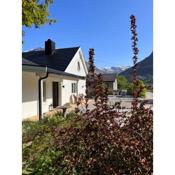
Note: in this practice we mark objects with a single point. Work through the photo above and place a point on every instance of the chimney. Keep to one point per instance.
(49, 47)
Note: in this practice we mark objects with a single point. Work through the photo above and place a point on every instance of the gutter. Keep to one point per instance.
(39, 93)
(39, 69)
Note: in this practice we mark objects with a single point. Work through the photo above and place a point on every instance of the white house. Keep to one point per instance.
(50, 78)
(111, 81)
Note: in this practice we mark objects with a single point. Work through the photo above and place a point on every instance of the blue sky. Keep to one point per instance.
(100, 24)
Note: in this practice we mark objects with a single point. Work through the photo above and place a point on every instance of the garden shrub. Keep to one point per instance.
(122, 82)
(132, 87)
(40, 154)
(103, 145)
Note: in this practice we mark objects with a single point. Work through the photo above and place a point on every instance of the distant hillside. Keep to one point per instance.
(145, 70)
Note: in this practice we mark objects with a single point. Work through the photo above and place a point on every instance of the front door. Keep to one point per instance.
(55, 90)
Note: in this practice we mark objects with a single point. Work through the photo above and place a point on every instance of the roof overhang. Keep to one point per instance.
(41, 69)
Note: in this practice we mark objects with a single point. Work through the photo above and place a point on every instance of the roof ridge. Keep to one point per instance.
(42, 49)
(68, 48)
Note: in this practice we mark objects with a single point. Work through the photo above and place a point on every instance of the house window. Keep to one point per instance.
(44, 91)
(74, 87)
(78, 66)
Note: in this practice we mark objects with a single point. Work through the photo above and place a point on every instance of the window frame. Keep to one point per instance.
(74, 87)
(78, 66)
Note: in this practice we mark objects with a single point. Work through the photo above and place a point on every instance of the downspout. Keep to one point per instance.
(39, 93)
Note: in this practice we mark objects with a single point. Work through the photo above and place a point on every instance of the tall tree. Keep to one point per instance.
(35, 12)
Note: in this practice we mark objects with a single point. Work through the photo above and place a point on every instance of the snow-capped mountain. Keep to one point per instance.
(109, 70)
(112, 69)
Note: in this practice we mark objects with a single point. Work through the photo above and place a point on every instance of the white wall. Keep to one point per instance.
(82, 87)
(73, 69)
(73, 66)
(49, 100)
(115, 87)
(29, 94)
(67, 91)
(67, 94)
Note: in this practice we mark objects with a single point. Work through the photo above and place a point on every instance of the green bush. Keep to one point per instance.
(130, 89)
(40, 154)
(122, 82)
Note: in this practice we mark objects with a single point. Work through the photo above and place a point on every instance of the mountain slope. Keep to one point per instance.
(145, 70)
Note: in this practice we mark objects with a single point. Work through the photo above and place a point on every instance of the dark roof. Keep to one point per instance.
(58, 61)
(109, 77)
